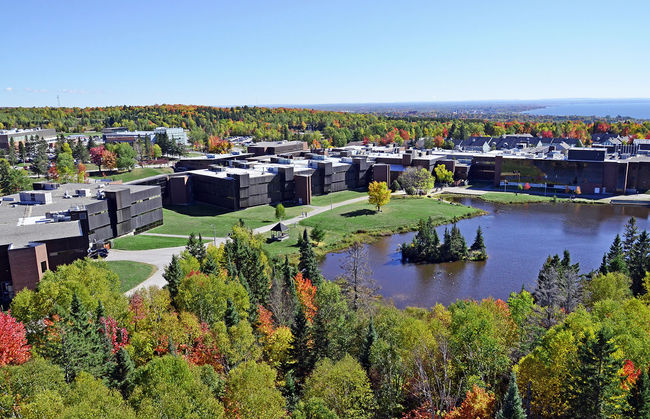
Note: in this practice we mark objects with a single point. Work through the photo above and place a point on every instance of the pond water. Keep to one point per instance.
(518, 240)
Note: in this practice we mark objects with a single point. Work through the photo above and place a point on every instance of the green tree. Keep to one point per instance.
(371, 338)
(251, 392)
(280, 212)
(173, 275)
(639, 262)
(317, 234)
(41, 161)
(638, 398)
(314, 408)
(613, 286)
(479, 245)
(512, 408)
(11, 155)
(168, 387)
(157, 152)
(395, 186)
(12, 180)
(232, 316)
(308, 264)
(126, 156)
(122, 373)
(630, 237)
(343, 386)
(301, 348)
(595, 381)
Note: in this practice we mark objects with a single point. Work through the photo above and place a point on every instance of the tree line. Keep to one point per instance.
(235, 333)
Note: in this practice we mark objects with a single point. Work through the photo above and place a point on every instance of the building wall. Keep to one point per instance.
(27, 266)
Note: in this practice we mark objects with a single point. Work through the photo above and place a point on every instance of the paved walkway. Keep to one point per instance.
(161, 257)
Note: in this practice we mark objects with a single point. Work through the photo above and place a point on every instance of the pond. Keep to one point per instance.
(518, 240)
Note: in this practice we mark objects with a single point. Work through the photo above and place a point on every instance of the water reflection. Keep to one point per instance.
(518, 239)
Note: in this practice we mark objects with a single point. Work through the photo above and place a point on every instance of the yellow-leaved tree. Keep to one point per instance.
(378, 194)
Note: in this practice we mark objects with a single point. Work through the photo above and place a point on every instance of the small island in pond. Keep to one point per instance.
(426, 246)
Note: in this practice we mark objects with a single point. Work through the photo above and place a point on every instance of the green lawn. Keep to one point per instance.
(360, 221)
(512, 198)
(131, 273)
(143, 242)
(335, 197)
(139, 173)
(205, 219)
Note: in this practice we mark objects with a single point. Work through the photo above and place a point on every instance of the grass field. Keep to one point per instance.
(139, 173)
(205, 219)
(143, 242)
(511, 198)
(336, 197)
(359, 221)
(131, 273)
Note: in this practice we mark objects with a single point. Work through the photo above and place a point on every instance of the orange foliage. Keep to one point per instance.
(306, 295)
(266, 321)
(217, 145)
(477, 404)
(630, 374)
(204, 350)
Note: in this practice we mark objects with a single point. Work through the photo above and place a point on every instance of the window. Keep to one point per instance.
(43, 266)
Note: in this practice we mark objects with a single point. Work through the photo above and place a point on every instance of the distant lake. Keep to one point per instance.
(518, 240)
(636, 109)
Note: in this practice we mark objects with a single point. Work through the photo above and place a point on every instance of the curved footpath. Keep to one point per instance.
(161, 257)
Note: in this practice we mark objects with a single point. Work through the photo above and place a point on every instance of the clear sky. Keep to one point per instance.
(314, 52)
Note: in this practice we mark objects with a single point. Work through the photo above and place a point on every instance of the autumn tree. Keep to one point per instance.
(378, 194)
(444, 176)
(14, 349)
(638, 398)
(478, 403)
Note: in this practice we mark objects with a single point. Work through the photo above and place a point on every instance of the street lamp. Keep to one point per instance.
(545, 184)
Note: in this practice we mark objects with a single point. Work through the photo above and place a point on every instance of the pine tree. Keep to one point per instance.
(173, 275)
(80, 347)
(231, 317)
(289, 391)
(616, 257)
(638, 398)
(639, 262)
(41, 160)
(308, 264)
(121, 374)
(595, 381)
(512, 407)
(210, 266)
(631, 235)
(195, 247)
(300, 351)
(479, 244)
(371, 338)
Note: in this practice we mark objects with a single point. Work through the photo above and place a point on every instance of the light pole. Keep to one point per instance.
(545, 184)
(214, 227)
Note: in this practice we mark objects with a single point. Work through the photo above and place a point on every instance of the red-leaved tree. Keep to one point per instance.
(306, 295)
(14, 349)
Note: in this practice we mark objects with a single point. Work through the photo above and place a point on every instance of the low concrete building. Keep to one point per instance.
(23, 135)
(47, 228)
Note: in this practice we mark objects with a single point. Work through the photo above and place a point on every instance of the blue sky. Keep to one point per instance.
(309, 52)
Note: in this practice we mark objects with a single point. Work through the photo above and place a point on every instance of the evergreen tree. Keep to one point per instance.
(603, 269)
(308, 264)
(80, 152)
(638, 398)
(290, 392)
(11, 155)
(616, 257)
(288, 274)
(121, 374)
(195, 247)
(371, 338)
(512, 407)
(210, 266)
(80, 347)
(301, 352)
(91, 143)
(173, 275)
(41, 161)
(22, 152)
(639, 262)
(595, 381)
(231, 317)
(630, 236)
(479, 244)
